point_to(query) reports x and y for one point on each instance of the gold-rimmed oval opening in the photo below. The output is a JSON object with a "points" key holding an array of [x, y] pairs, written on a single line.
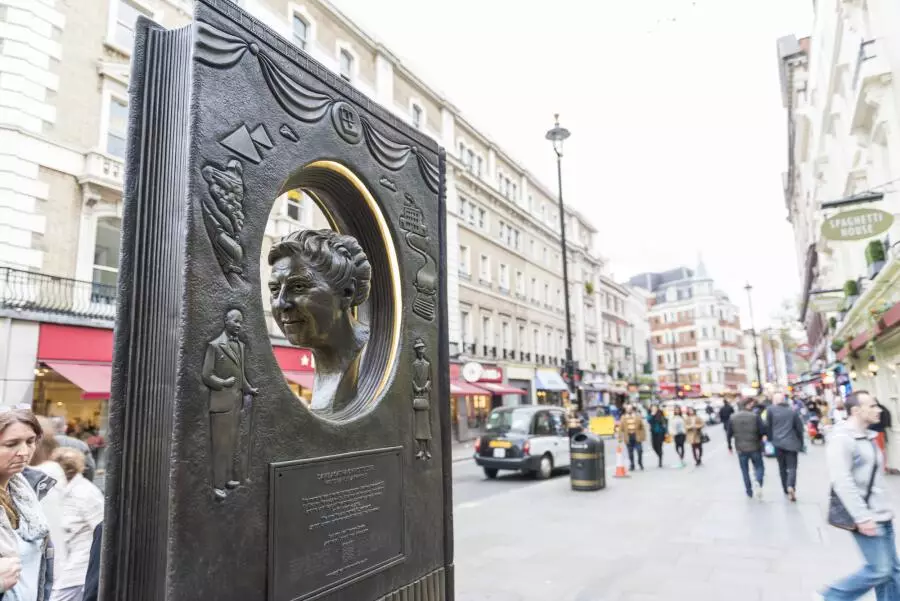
{"points": [[348, 207]]}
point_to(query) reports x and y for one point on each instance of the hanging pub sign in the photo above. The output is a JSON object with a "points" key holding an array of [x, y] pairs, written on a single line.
{"points": [[857, 224]]}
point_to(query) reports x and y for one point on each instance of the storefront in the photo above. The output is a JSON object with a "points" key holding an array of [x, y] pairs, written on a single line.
{"points": [[867, 342], [298, 368], [469, 408], [73, 374], [551, 388]]}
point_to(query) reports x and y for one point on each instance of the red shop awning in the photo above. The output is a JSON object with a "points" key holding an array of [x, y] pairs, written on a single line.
{"points": [[501, 389], [301, 378], [93, 378], [460, 388]]}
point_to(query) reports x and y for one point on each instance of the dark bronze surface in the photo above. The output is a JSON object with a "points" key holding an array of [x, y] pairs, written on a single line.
{"points": [[230, 404], [334, 520], [421, 401], [226, 117]]}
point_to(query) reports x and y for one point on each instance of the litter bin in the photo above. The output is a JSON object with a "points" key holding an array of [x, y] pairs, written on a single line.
{"points": [[588, 471]]}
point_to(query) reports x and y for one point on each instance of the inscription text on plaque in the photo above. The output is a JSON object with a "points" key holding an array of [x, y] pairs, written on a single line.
{"points": [[333, 520]]}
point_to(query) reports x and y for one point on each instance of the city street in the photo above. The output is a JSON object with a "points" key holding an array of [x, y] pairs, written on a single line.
{"points": [[667, 534]]}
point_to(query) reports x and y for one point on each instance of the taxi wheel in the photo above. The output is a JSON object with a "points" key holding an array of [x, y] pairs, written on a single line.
{"points": [[490, 472], [546, 468]]}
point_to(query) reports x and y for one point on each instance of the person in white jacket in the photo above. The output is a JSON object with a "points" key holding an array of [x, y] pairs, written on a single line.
{"points": [[82, 510]]}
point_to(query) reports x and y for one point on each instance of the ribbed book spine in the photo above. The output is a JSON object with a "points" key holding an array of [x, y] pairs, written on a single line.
{"points": [[146, 351]]}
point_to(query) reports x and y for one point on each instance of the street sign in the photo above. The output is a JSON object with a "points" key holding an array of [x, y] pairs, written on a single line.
{"points": [[471, 371], [857, 224], [803, 350]]}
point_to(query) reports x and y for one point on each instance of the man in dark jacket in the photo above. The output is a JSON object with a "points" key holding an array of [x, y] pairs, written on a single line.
{"points": [[725, 414], [92, 578], [748, 430], [785, 430]]}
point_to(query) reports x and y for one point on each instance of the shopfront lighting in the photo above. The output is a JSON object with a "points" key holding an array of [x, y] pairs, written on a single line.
{"points": [[873, 367]]}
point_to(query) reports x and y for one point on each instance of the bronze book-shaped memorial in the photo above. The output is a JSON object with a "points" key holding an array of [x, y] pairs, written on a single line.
{"points": [[222, 484]]}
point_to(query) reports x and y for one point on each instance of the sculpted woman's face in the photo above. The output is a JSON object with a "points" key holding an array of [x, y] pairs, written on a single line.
{"points": [[304, 304]]}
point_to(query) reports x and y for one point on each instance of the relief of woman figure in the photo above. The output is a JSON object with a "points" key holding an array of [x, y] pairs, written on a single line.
{"points": [[318, 277]]}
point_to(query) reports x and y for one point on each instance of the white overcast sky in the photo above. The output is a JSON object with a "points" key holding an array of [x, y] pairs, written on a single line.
{"points": [[678, 132]]}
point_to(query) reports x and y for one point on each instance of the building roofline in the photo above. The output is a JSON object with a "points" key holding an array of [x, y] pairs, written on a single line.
{"points": [[444, 102]]}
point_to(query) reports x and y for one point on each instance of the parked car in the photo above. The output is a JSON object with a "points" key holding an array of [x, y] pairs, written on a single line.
{"points": [[531, 439]]}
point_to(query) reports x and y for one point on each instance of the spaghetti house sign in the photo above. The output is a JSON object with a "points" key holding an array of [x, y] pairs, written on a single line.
{"points": [[857, 224]]}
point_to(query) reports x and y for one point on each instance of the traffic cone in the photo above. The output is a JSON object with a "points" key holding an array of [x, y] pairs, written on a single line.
{"points": [[621, 472]]}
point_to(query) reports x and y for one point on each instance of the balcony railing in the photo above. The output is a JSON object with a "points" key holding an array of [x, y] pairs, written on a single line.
{"points": [[38, 292]]}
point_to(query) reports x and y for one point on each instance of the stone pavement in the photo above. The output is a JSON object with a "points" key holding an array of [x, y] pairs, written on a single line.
{"points": [[663, 534]]}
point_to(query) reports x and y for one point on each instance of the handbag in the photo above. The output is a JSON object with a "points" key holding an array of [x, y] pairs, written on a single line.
{"points": [[838, 516], [704, 438]]}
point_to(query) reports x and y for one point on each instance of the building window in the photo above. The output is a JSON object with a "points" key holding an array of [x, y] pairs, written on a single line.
{"points": [[464, 260], [417, 116], [479, 164], [346, 64], [485, 269], [106, 257], [301, 32], [506, 332], [534, 289], [126, 16], [544, 256], [297, 206], [521, 339], [536, 340], [465, 325], [116, 126], [487, 333], [546, 294], [462, 152], [520, 283], [482, 219], [504, 276]]}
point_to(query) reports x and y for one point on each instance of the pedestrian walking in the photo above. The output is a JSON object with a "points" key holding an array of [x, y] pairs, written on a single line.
{"points": [[679, 433], [785, 432], [749, 431], [82, 512], [26, 569], [633, 433], [65, 440], [725, 414], [659, 427], [693, 425], [860, 503], [881, 428]]}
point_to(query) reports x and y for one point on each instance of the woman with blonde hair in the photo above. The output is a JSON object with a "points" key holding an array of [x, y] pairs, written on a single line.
{"points": [[26, 569], [82, 511]]}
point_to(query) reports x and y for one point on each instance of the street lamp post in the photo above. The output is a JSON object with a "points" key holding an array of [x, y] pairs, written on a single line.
{"points": [[557, 136], [759, 382]]}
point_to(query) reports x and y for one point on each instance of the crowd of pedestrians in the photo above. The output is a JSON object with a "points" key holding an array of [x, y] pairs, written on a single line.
{"points": [[50, 511]]}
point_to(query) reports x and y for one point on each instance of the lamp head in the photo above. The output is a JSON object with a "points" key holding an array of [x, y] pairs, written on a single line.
{"points": [[558, 135]]}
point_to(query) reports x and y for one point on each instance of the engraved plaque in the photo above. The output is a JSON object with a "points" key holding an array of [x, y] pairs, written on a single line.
{"points": [[333, 520]]}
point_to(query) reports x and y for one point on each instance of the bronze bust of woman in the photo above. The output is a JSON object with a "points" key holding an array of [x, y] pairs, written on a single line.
{"points": [[318, 277]]}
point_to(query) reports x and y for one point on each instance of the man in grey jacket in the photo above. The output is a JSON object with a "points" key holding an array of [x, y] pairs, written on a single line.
{"points": [[748, 431], [785, 430], [855, 465]]}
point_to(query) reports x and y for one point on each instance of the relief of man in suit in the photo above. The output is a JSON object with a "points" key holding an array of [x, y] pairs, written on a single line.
{"points": [[224, 374]]}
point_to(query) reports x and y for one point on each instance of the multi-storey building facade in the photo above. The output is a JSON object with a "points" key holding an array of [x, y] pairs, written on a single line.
{"points": [[841, 98], [64, 75], [695, 333]]}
